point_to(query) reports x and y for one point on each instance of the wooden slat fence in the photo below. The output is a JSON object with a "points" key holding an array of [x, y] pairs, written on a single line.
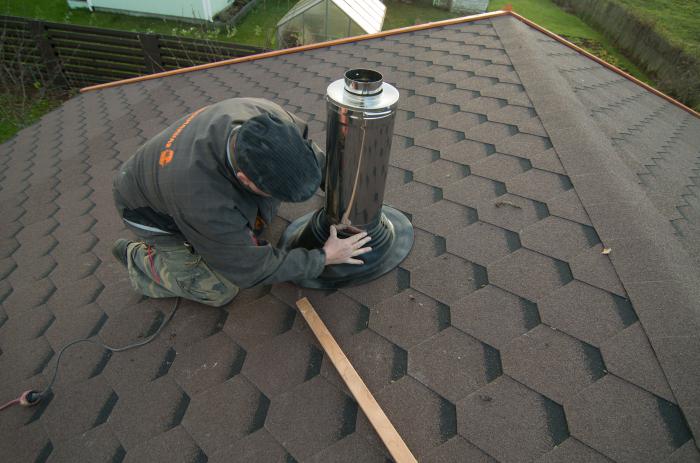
{"points": [[74, 56]]}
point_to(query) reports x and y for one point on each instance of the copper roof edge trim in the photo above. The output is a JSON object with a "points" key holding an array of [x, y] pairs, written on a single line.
{"points": [[605, 64], [313, 46], [401, 30]]}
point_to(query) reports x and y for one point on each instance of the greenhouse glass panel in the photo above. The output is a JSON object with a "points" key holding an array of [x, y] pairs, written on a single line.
{"points": [[338, 24], [297, 9], [355, 30], [311, 21], [290, 33], [315, 23]]}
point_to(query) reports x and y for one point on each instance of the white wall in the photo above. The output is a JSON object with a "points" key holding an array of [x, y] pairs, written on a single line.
{"points": [[196, 9]]}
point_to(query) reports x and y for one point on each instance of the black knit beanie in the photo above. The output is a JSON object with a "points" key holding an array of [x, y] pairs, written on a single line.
{"points": [[273, 154]]}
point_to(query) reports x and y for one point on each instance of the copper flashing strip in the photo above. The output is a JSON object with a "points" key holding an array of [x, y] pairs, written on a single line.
{"points": [[313, 46], [448, 22], [605, 64]]}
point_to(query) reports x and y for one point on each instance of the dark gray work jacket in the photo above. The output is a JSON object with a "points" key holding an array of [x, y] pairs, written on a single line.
{"points": [[180, 182]]}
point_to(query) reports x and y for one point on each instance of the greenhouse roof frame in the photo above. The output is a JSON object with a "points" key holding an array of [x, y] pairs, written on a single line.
{"points": [[368, 14]]}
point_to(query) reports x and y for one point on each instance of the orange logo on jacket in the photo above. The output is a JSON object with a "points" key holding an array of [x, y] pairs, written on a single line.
{"points": [[165, 157], [167, 154]]}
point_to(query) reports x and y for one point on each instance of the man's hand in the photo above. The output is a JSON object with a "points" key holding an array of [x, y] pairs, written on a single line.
{"points": [[342, 251]]}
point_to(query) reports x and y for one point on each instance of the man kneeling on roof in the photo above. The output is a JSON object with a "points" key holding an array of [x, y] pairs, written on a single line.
{"points": [[199, 194]]}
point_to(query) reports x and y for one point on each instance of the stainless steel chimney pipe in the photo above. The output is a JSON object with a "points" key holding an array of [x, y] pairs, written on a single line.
{"points": [[360, 121], [361, 109]]}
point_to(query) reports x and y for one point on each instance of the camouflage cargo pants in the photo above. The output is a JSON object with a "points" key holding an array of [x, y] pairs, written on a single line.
{"points": [[167, 268]]}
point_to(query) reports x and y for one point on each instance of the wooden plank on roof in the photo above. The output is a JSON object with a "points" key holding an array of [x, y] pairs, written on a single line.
{"points": [[376, 416]]}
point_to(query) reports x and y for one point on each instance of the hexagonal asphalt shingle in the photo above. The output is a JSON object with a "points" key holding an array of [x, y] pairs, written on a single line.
{"points": [[511, 422], [412, 197], [462, 121], [440, 173], [350, 448], [97, 401], [377, 290], [524, 145], [413, 157], [439, 112], [453, 364], [439, 138], [467, 152], [225, 413], [472, 189], [414, 126], [258, 446], [481, 243], [567, 205], [586, 312], [458, 96], [282, 363], [377, 361], [543, 352], [343, 316], [630, 356], [254, 323], [490, 132], [425, 246], [511, 212], [529, 274], [457, 450], [500, 167], [573, 450], [465, 277], [539, 185], [311, 417], [146, 410], [423, 419], [207, 363], [444, 217], [595, 268], [494, 316], [596, 413], [559, 238], [171, 445], [409, 318]]}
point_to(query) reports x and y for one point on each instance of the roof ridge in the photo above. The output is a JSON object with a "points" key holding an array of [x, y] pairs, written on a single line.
{"points": [[650, 260]]}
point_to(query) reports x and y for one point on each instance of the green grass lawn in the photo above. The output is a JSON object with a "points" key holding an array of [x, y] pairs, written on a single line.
{"points": [[399, 14], [58, 11], [551, 17], [677, 20], [16, 113], [258, 27]]}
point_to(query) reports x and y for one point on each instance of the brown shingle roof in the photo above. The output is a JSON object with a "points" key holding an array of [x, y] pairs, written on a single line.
{"points": [[505, 335]]}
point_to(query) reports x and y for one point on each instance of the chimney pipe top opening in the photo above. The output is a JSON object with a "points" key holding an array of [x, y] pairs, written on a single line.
{"points": [[363, 81]]}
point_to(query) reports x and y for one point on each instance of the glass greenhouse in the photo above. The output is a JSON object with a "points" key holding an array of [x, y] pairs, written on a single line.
{"points": [[311, 21]]}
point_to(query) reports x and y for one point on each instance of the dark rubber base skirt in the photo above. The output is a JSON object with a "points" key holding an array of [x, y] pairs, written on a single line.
{"points": [[392, 240]]}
